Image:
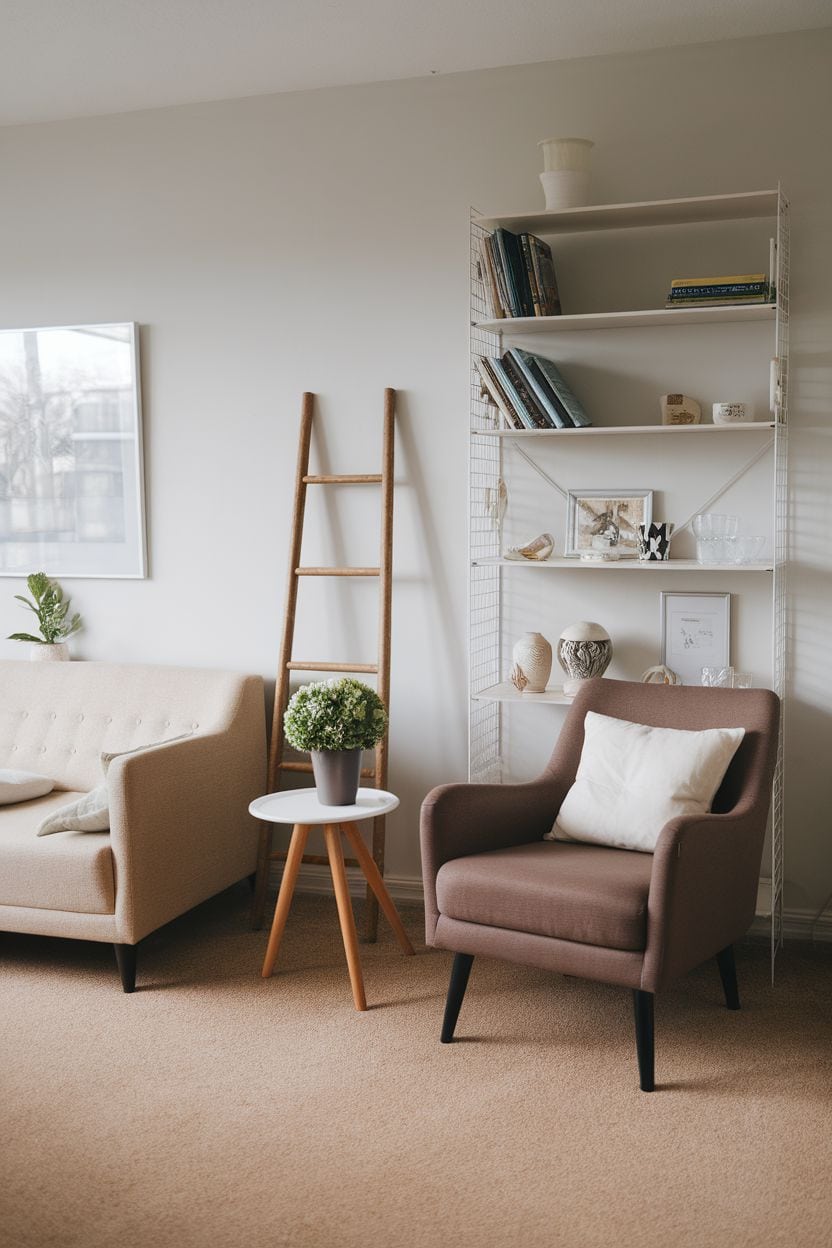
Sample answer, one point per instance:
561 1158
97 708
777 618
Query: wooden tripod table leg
345 915
376 881
284 898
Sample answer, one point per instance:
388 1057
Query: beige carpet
216 1109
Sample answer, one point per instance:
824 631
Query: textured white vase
584 651
58 652
533 655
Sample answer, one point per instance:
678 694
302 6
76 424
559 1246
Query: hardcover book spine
528 260
489 280
546 279
560 389
510 390
707 292
539 418
731 280
498 396
558 416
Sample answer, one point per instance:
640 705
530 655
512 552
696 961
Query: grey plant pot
337 773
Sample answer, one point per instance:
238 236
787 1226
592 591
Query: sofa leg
456 991
126 959
643 1003
728 975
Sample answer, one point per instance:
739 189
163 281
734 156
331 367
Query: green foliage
51 609
335 715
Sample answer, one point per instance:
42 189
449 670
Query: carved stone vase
533 655
584 650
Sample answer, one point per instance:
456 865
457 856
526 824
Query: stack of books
530 392
711 292
519 275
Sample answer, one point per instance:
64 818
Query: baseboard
797 924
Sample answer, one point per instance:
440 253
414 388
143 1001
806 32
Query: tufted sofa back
56 718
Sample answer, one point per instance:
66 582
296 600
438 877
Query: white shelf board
506 692
622 565
646 318
624 430
736 207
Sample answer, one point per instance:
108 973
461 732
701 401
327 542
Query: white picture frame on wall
696 633
71 458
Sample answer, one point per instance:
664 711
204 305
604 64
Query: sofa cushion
22 786
633 779
70 872
583 893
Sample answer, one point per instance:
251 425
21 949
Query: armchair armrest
180 829
462 819
703 890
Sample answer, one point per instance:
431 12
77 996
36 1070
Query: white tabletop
302 806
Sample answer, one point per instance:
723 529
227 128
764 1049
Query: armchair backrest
747 782
56 718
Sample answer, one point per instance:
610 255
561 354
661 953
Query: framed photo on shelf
611 514
696 633
71 477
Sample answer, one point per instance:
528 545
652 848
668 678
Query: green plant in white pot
54 622
334 720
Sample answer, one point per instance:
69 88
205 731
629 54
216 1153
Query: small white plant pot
565 177
733 413
58 652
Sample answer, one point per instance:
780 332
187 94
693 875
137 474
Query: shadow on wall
808 735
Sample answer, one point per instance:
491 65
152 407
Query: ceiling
71 58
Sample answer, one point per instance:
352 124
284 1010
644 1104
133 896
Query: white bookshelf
647 318
493 448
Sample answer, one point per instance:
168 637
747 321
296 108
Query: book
736 279
558 388
708 292
498 397
538 415
717 301
531 276
544 269
489 279
504 381
530 369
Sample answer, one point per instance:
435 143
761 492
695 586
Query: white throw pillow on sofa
632 779
91 813
22 786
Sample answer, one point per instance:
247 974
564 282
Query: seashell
538 549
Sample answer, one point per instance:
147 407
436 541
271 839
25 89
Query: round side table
301 808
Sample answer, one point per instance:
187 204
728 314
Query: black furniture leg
643 1003
728 975
126 959
456 991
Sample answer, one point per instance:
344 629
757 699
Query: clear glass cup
747 549
718 677
743 680
712 524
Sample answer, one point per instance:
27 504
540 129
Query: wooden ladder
287 664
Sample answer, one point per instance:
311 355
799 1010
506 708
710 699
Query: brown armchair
493 886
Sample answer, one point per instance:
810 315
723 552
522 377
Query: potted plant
52 610
334 720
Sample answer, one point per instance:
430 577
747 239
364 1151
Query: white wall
320 241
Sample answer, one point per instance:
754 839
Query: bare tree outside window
71 489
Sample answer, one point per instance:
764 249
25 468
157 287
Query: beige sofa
179 828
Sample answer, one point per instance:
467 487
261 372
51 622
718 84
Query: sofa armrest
462 819
180 829
703 891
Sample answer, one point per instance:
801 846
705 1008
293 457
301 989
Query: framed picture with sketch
611 514
696 633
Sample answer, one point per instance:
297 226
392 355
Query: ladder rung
315 860
367 773
341 478
337 571
310 666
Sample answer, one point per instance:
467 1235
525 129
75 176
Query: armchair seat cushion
584 893
72 871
